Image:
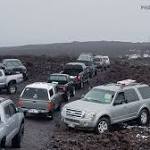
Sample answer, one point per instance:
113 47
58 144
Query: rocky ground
41 134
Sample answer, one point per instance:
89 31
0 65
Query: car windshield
35 93
99 96
15 63
58 78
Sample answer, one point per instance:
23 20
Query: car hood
87 106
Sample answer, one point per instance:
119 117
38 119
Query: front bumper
79 123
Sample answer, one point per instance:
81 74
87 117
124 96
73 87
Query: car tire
143 118
73 92
12 88
103 125
3 141
16 141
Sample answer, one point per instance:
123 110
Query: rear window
34 93
58 78
145 92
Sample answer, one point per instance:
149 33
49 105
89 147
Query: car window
1 74
35 93
51 93
131 95
12 109
7 111
120 99
145 92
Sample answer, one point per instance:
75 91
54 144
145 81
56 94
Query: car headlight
89 115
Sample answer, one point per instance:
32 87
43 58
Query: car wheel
143 117
16 141
73 92
12 88
3 141
102 125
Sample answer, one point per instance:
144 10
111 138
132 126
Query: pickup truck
9 81
13 66
109 104
11 124
65 84
40 98
91 67
78 72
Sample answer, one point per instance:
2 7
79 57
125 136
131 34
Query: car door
54 97
118 110
10 122
2 78
133 102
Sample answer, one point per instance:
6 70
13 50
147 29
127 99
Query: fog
55 21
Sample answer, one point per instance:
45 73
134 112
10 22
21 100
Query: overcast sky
50 21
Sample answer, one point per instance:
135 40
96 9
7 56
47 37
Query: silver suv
11 124
109 104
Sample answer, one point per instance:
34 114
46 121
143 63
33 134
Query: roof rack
127 82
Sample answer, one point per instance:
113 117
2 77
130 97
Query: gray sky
49 21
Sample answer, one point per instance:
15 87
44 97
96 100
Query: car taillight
78 78
51 106
20 103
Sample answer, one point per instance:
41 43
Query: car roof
76 63
41 85
116 87
59 74
11 60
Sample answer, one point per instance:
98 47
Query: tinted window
51 93
145 92
120 99
7 112
131 95
37 94
0 73
12 109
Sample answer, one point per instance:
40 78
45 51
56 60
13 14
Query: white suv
11 124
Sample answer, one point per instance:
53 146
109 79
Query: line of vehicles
100 108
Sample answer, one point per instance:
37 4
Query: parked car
109 104
78 72
10 82
86 57
11 124
91 67
102 62
65 84
14 66
40 98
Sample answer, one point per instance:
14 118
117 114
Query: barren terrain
43 134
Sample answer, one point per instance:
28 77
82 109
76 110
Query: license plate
34 111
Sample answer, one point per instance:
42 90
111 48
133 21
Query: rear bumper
34 111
